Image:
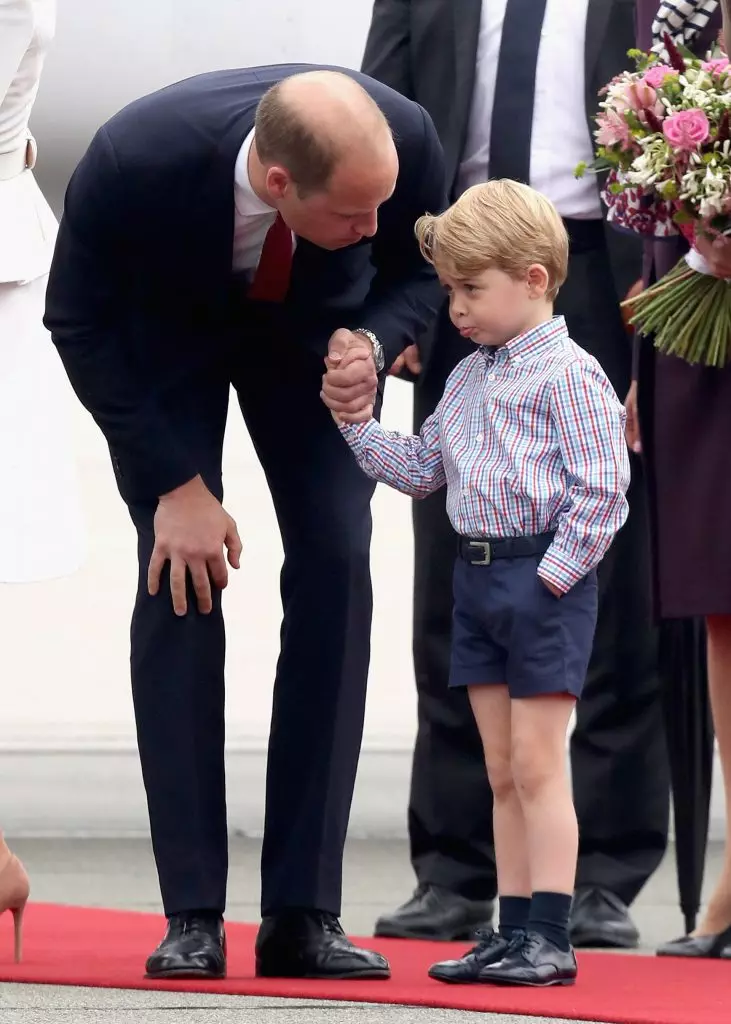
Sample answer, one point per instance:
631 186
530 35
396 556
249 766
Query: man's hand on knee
191 530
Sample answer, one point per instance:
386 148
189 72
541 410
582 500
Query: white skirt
42 529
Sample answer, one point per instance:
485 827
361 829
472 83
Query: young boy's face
492 307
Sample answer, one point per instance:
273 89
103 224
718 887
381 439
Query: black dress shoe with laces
535 962
699 947
490 948
437 914
194 947
600 919
311 944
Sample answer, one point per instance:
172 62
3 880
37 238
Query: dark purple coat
685 414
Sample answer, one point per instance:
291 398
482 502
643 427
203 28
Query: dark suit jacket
139 296
427 50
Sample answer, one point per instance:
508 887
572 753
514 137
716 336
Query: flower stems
688 314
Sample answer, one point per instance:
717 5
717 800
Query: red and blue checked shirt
529 438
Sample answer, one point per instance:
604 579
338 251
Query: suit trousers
618 755
322 503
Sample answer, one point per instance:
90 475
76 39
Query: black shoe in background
312 944
438 914
194 947
699 947
599 919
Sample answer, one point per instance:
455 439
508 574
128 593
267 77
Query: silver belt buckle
484 546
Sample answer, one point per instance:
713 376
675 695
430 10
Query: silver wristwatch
379 356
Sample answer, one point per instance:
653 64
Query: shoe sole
453 981
371 975
529 984
185 973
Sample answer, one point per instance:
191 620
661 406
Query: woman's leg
491 706
718 915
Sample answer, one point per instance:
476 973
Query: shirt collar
248 203
530 343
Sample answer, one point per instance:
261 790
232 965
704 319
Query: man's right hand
632 428
191 530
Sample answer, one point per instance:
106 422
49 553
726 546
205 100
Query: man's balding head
309 122
324 155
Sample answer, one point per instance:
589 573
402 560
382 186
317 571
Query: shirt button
491 376
478 438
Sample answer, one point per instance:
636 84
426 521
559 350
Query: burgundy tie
271 280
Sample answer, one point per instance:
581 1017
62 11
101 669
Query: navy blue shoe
490 948
536 962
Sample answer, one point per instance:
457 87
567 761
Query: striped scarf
682 20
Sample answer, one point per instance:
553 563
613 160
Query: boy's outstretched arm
410 463
590 422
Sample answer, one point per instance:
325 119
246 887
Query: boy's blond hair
500 224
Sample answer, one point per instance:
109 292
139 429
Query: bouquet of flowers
664 136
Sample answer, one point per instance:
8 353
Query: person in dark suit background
240 227
512 86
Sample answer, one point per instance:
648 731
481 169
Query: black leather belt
485 550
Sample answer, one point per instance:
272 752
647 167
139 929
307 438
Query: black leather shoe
193 947
311 944
601 920
437 914
535 962
709 947
490 948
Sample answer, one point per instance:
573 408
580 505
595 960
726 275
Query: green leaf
683 217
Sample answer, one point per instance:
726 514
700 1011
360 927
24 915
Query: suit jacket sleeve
16 32
387 56
87 313
405 294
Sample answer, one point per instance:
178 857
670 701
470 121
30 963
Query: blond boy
529 441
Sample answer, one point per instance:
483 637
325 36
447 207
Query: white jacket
27 224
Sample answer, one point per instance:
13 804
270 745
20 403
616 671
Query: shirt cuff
358 434
560 570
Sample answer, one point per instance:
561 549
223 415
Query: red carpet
107 949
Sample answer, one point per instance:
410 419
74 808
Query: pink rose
639 95
613 130
717 66
686 130
656 75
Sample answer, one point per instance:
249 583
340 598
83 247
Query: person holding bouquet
679 405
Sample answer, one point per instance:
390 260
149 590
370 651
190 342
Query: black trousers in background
322 502
619 761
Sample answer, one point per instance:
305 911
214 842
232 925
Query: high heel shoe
707 947
14 892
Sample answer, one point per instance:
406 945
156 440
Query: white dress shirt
560 136
252 216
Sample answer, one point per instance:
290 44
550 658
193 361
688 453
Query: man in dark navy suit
241 228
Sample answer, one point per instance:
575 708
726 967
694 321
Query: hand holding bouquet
664 136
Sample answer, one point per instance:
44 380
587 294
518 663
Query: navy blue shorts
509 628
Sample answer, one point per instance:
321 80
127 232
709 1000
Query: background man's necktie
271 279
512 118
